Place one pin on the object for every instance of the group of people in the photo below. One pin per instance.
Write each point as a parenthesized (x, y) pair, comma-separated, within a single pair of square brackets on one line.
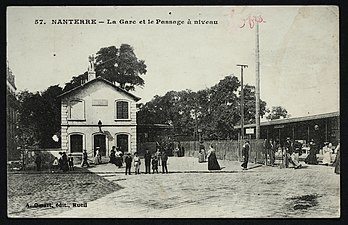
[(151, 161), (63, 163)]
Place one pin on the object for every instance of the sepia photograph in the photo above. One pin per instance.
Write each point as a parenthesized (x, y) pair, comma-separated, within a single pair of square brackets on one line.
[(173, 111)]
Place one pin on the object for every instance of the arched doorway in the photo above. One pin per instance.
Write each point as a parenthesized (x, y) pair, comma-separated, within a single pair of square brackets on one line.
[(76, 143), (100, 141), (122, 141)]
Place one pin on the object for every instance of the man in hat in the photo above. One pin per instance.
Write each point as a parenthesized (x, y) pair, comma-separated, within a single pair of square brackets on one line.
[(84, 159), (128, 161), (147, 158), (245, 154)]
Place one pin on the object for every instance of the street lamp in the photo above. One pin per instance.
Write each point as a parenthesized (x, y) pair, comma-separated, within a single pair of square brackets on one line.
[(100, 126)]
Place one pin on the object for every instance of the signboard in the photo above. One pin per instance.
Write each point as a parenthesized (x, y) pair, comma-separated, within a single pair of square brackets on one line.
[(100, 102), (249, 131)]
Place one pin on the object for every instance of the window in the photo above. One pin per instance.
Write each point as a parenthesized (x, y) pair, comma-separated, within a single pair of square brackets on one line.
[(77, 110), (76, 143), (122, 110)]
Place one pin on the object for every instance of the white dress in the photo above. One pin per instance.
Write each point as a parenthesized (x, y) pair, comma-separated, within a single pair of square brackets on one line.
[(327, 155)]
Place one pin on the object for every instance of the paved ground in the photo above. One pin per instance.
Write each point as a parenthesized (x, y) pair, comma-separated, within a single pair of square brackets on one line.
[(260, 192), (32, 187)]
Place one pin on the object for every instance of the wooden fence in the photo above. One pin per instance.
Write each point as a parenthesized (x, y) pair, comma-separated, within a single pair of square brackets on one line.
[(227, 150)]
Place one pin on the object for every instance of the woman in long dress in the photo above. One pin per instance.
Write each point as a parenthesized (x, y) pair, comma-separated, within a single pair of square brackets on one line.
[(212, 160), (118, 159), (327, 153)]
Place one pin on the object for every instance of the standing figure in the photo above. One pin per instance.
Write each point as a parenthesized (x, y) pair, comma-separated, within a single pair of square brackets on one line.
[(71, 162), (201, 156), (154, 164), (147, 158), (158, 156), (38, 162), (128, 161), (96, 157), (60, 161), (327, 153), (288, 149), (312, 157), (65, 163), (84, 159), (337, 162), (272, 152), (164, 162), (136, 163), (213, 164), (118, 157), (112, 155), (245, 154)]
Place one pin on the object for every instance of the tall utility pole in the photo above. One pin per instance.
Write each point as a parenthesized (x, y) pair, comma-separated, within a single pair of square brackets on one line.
[(242, 100), (257, 86)]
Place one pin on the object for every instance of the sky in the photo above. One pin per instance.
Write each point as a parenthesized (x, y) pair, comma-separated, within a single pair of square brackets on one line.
[(299, 49)]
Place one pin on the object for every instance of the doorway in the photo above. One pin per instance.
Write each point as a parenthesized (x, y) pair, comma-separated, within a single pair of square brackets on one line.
[(100, 141)]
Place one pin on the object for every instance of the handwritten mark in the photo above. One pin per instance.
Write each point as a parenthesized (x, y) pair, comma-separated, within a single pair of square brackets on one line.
[(252, 20)]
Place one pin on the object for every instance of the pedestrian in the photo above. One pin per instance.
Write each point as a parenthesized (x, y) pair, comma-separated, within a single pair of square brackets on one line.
[(118, 157), (288, 148), (137, 163), (158, 156), (213, 164), (147, 158), (337, 162), (55, 165), (164, 162), (245, 154), (272, 152), (60, 161), (154, 163), (312, 157), (38, 162), (201, 156), (327, 153), (96, 156), (128, 161), (65, 163), (71, 162), (202, 152), (84, 159), (112, 155)]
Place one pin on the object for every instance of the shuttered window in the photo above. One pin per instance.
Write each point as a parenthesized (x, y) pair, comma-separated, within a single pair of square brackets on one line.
[(122, 110)]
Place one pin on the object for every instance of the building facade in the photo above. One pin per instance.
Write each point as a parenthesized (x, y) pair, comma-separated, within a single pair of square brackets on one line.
[(11, 117), (98, 114)]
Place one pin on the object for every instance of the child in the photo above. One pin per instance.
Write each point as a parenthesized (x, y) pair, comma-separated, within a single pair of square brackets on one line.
[(154, 164), (55, 165), (128, 161), (137, 163), (71, 162)]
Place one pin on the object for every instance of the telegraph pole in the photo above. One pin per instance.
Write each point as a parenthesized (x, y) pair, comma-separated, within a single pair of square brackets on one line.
[(257, 86), (242, 100)]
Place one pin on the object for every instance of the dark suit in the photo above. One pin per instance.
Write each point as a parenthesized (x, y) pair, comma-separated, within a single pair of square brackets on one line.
[(147, 158)]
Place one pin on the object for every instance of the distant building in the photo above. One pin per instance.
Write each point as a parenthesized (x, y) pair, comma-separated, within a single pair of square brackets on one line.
[(98, 114), (11, 119), (299, 128)]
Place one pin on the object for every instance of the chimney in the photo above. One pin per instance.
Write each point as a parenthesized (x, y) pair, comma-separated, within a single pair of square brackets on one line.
[(91, 68)]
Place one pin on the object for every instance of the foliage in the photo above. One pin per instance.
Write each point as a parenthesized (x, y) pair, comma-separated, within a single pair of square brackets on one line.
[(214, 110), (277, 112), (39, 117), (117, 65)]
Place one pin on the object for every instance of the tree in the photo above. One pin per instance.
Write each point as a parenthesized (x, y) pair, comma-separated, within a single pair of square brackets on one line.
[(117, 65), (250, 103), (277, 112), (39, 117), (120, 65)]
